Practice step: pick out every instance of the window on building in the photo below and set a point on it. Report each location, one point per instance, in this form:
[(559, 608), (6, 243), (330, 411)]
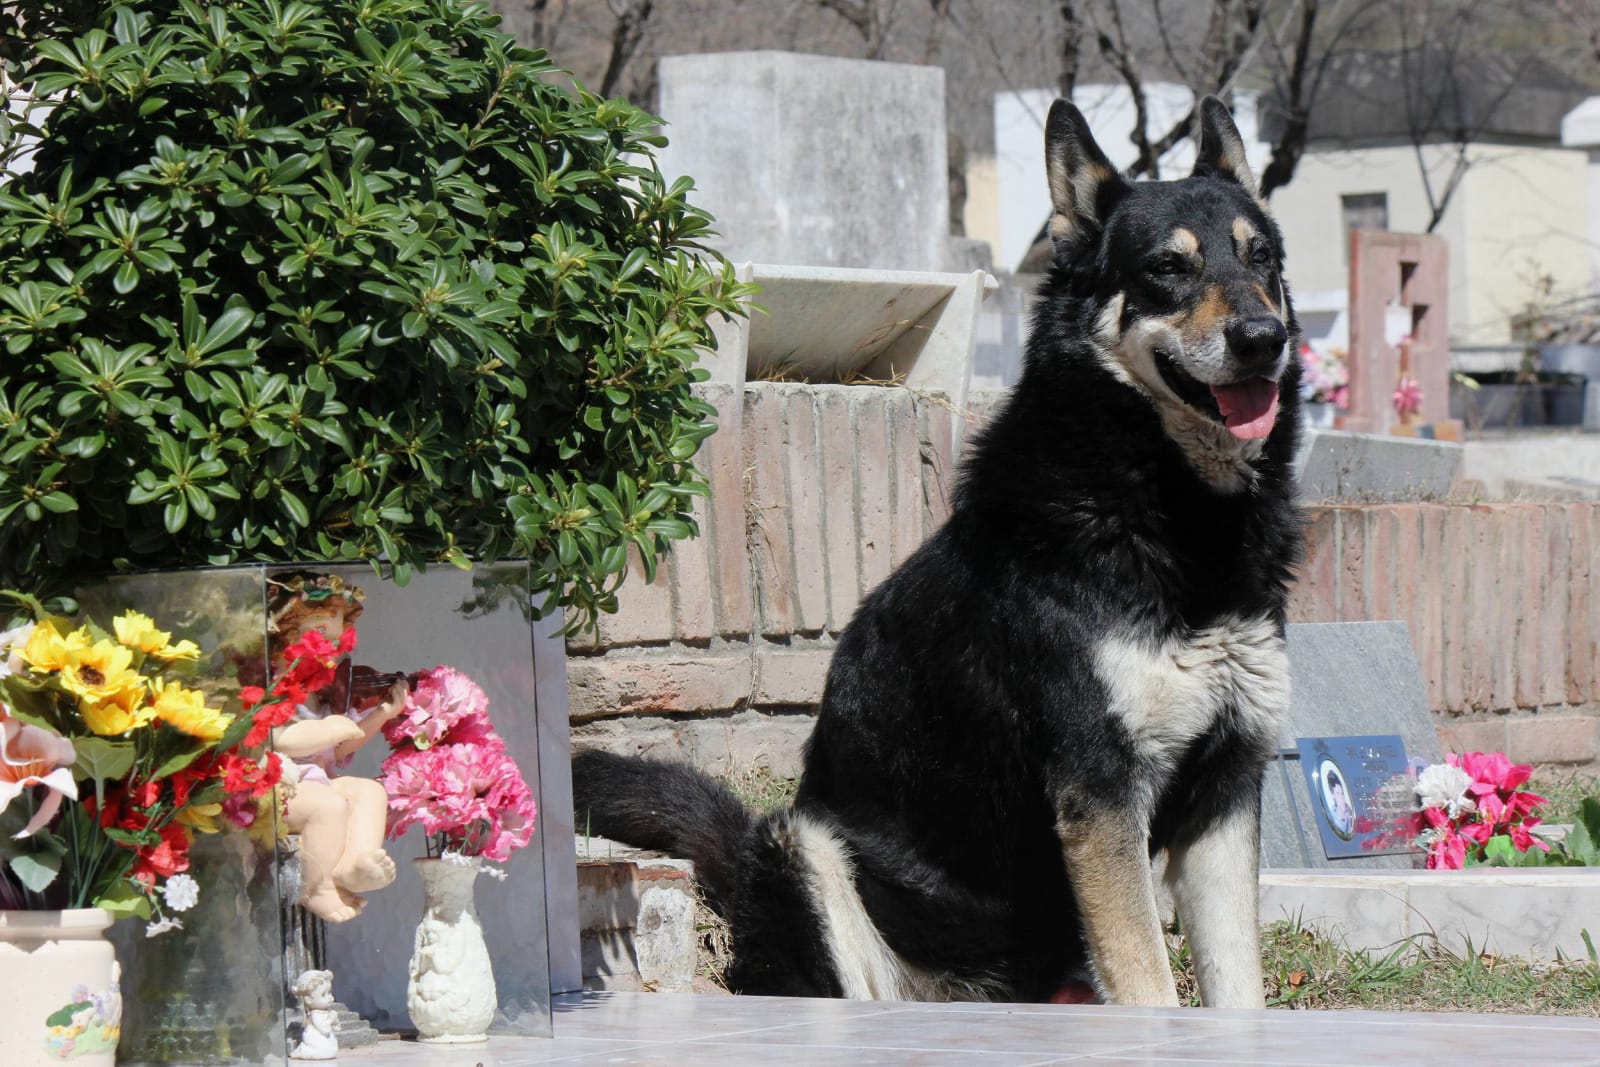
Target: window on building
[(1363, 211)]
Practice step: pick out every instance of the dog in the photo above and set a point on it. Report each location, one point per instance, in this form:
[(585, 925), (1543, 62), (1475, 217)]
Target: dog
[(1084, 667)]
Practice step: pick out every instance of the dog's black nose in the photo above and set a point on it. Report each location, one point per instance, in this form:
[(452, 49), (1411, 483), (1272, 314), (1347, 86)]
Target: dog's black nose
[(1257, 341)]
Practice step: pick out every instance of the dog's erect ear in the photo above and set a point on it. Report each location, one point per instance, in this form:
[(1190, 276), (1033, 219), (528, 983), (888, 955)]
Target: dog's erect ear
[(1080, 174), (1221, 153)]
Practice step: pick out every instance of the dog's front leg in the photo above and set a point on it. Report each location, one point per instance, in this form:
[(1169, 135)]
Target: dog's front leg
[(1215, 883), (1109, 866)]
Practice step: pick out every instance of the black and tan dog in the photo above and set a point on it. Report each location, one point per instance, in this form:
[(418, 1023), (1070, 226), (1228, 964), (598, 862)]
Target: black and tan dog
[(1084, 667)]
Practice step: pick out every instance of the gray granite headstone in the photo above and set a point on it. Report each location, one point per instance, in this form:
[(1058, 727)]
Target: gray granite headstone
[(1348, 678), (1338, 467), (812, 160)]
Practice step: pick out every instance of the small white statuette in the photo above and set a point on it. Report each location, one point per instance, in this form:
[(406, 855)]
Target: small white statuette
[(318, 1040)]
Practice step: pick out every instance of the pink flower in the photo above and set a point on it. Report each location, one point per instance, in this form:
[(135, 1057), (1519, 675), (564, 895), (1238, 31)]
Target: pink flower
[(473, 794), (1447, 850), (1407, 397), (444, 705), (32, 756)]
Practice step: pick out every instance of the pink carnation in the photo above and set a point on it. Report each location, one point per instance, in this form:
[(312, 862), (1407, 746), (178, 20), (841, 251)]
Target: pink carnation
[(450, 773), (444, 703)]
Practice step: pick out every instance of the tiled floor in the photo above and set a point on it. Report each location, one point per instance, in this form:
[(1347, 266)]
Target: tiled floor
[(715, 1031)]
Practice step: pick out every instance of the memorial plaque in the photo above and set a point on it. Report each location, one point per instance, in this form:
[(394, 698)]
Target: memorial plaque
[(1361, 793)]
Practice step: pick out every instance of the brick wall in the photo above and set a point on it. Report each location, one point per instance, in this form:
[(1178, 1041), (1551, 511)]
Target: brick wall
[(1501, 600), (817, 493)]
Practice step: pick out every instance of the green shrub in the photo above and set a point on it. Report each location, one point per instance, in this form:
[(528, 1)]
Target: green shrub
[(343, 280)]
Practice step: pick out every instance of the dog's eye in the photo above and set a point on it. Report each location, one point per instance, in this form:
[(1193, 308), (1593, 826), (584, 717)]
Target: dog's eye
[(1167, 266), (1260, 254)]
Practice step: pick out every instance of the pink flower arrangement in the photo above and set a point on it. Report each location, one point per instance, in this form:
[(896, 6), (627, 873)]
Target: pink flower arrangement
[(1471, 799), (449, 771), (1324, 377)]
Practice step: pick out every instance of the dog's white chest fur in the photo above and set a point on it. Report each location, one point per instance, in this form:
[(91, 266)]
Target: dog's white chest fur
[(1169, 693)]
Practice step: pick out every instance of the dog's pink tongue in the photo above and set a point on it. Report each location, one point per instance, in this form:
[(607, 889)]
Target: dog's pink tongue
[(1249, 408)]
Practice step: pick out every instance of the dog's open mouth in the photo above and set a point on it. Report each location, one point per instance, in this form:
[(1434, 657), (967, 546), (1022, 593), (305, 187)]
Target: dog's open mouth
[(1247, 408)]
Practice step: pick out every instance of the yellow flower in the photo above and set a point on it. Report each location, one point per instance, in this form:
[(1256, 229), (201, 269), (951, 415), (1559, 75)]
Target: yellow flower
[(139, 631), (48, 650), (101, 671), (120, 713), (202, 817), (185, 709)]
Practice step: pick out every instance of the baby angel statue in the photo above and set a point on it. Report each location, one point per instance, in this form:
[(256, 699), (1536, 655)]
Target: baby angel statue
[(340, 818)]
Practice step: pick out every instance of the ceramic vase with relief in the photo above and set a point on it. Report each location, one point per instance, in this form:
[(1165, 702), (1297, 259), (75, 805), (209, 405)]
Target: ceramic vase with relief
[(62, 1001), (451, 994)]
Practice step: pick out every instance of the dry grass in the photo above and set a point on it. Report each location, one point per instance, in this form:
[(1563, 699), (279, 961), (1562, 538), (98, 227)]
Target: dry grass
[(1309, 971), (1565, 790)]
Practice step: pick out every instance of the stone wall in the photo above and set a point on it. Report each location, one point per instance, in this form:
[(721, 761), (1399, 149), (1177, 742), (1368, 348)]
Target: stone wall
[(819, 494), (1501, 600)]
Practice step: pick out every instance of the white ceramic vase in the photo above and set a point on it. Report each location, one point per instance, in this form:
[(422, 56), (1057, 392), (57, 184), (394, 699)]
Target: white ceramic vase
[(62, 1001), (451, 995)]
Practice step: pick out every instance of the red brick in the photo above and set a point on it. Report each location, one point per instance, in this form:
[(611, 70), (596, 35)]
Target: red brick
[(791, 677), (1429, 582), (938, 463), (1593, 659), (1381, 531), (906, 464), (1556, 584), (1506, 601), (1353, 563), (1408, 574), (644, 610), (838, 505), (1553, 739), (1581, 603), (614, 685), (1453, 605), (803, 473), (1472, 735), (692, 588), (771, 552), (1313, 596), (1529, 563), (722, 458), (874, 519), (1483, 591)]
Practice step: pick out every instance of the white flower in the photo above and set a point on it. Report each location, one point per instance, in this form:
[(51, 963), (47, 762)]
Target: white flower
[(1444, 786), (11, 644), (157, 928), (181, 892)]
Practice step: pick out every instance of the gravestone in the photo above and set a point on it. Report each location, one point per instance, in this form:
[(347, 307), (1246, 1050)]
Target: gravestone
[(1347, 679), (812, 160)]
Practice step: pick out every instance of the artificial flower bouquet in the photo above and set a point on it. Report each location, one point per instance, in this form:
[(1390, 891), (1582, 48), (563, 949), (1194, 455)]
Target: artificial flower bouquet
[(1325, 378), (1477, 811), (449, 772), (111, 762)]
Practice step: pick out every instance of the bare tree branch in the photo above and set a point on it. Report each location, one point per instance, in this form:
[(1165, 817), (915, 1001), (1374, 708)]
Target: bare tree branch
[(633, 17), (869, 18), (1072, 33)]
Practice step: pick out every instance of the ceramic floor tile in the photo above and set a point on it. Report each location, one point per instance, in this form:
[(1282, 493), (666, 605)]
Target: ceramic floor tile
[(1315, 1039), (655, 1030), (994, 1031), (497, 1052)]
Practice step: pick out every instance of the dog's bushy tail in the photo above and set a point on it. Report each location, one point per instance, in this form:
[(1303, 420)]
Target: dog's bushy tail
[(670, 807)]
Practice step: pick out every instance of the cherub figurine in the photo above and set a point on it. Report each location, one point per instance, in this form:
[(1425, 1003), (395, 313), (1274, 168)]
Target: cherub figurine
[(340, 818), (319, 1037)]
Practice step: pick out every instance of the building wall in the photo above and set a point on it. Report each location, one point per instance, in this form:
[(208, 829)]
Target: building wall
[(1526, 216), (1520, 213)]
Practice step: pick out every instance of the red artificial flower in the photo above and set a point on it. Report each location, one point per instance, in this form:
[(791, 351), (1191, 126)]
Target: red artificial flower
[(251, 695), (163, 859)]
